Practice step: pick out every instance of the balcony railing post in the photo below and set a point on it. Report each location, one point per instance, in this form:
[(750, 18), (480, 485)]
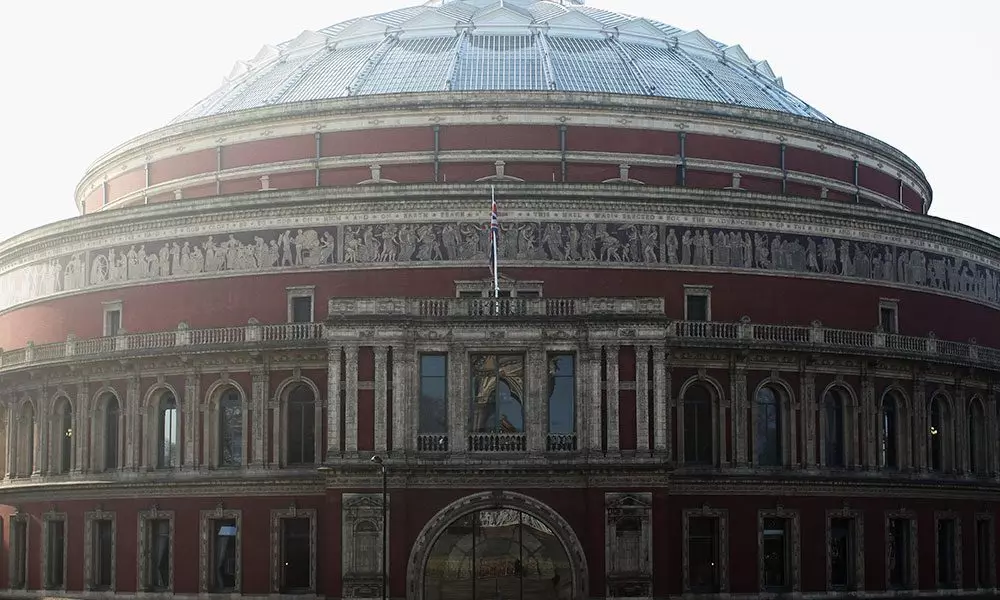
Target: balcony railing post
[(254, 332), (183, 335), (973, 349), (745, 329), (878, 340), (121, 341), (29, 351), (816, 335), (70, 344), (932, 343)]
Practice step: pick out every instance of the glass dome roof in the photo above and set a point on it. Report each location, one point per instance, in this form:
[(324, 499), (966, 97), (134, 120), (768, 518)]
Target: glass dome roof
[(501, 45)]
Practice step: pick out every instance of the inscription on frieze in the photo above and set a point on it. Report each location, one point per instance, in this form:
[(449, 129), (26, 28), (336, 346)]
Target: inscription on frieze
[(610, 243)]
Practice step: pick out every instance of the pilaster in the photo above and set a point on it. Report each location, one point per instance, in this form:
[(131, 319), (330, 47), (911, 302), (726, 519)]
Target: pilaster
[(42, 419), (457, 402), (402, 371), (381, 399), (81, 420), (808, 385), (919, 428), (961, 438), (351, 400), (10, 466), (133, 450), (594, 391), (869, 410), (738, 375), (662, 399), (611, 366), (192, 385), (258, 394), (333, 366), (642, 398), (537, 403)]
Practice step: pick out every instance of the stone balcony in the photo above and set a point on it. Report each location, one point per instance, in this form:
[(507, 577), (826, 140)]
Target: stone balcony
[(519, 312)]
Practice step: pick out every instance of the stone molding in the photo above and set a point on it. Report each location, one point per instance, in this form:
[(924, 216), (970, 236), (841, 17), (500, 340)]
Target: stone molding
[(89, 518), (721, 516), (277, 545), (792, 545), (361, 544), (47, 520), (857, 549), (17, 554), (991, 577), (142, 546), (206, 536), (634, 580), (957, 548), (489, 500), (539, 108)]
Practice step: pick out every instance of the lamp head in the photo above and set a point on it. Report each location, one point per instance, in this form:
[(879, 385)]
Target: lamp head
[(376, 459)]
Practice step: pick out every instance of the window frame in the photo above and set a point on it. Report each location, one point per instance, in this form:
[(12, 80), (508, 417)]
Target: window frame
[(956, 550), (703, 291), (780, 401), (856, 551), (145, 566), (720, 517), (557, 442), (58, 463), (162, 461), (976, 438), (436, 437), (99, 457), (47, 520), (278, 548), (108, 307), (221, 392), (207, 548), (890, 304), (315, 420), (711, 427), (792, 548), (522, 399), (912, 566), (18, 554), (300, 291), (991, 560), (945, 434), (90, 562)]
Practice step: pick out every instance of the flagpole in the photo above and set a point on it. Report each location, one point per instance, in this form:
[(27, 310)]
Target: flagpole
[(496, 274)]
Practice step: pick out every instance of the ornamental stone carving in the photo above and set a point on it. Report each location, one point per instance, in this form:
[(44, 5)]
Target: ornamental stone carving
[(628, 544), (362, 545)]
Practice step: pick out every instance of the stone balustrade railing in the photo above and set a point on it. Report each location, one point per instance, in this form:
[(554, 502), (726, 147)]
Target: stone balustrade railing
[(815, 337)]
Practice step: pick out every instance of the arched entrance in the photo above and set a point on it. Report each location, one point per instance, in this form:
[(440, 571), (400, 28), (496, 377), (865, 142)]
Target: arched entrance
[(497, 546)]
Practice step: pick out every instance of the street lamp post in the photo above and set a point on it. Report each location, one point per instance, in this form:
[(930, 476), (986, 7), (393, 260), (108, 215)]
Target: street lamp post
[(377, 460)]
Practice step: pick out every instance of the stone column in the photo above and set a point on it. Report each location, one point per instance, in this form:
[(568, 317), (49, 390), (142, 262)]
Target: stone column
[(81, 420), (192, 385), (333, 361), (960, 434), (869, 411), (738, 376), (381, 399), (42, 421), (595, 419), (258, 400), (351, 400), (133, 423), (993, 425), (10, 468), (457, 417), (402, 370), (611, 367), (642, 399), (537, 404), (662, 400), (918, 429), (808, 386)]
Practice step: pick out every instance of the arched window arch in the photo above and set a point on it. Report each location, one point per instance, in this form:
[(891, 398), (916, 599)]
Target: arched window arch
[(26, 458), (768, 428), (977, 438), (698, 429), (167, 436), (110, 428), (300, 426), (230, 428), (892, 433), (836, 425), (62, 436), (939, 434)]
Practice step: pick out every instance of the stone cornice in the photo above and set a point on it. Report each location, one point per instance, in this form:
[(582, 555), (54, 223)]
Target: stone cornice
[(554, 108)]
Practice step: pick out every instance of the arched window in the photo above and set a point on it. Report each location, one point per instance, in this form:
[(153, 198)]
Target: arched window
[(768, 428), (167, 450), (230, 428), (834, 430), (62, 437), (889, 422), (300, 426), (698, 425), (977, 438), (111, 420), (27, 461), (939, 435)]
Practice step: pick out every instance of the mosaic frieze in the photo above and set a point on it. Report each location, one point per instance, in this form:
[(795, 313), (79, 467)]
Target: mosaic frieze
[(609, 243)]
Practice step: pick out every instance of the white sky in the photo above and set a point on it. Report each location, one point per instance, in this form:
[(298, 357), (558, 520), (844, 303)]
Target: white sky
[(79, 78)]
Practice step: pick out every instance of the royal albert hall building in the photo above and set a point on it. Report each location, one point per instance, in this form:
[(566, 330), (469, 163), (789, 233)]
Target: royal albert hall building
[(732, 355)]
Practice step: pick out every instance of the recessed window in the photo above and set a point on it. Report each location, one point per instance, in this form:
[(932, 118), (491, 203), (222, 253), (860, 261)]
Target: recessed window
[(888, 315), (223, 555), (112, 318), (697, 303), (899, 532), (102, 544), (168, 448), (698, 429), (775, 552), (509, 288), (230, 428), (842, 553), (158, 555), (562, 403), (947, 555), (985, 563), (497, 402), (18, 552), (296, 564), (301, 304), (433, 406), (55, 552), (301, 426), (703, 554)]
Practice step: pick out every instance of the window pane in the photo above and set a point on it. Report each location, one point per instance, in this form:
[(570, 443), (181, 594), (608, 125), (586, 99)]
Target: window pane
[(296, 563), (301, 435), (946, 553), (497, 392), (302, 309), (57, 555), (697, 307), (112, 322), (834, 430), (697, 425), (841, 553), (562, 390), (702, 554), (775, 554), (223, 555), (66, 440), (158, 551), (889, 434), (984, 549), (168, 456), (111, 434), (768, 437), (433, 393), (230, 429), (899, 553), (103, 553)]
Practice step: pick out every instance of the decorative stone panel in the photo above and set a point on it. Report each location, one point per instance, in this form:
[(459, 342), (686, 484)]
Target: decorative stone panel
[(47, 520), (628, 552), (793, 548), (145, 517), (721, 516), (89, 518), (292, 512), (205, 546), (361, 545), (858, 548)]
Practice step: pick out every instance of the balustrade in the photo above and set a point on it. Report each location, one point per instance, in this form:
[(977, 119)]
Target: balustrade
[(561, 442), (498, 442), (432, 442)]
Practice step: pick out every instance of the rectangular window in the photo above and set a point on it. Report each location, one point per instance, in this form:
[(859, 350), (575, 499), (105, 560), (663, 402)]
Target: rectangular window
[(497, 403), (888, 316), (697, 303), (18, 552), (158, 555), (55, 553), (842, 553), (946, 559), (775, 554), (562, 402), (296, 565), (433, 394), (302, 309), (703, 555), (102, 554), (899, 532), (112, 321), (222, 555), (984, 553)]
